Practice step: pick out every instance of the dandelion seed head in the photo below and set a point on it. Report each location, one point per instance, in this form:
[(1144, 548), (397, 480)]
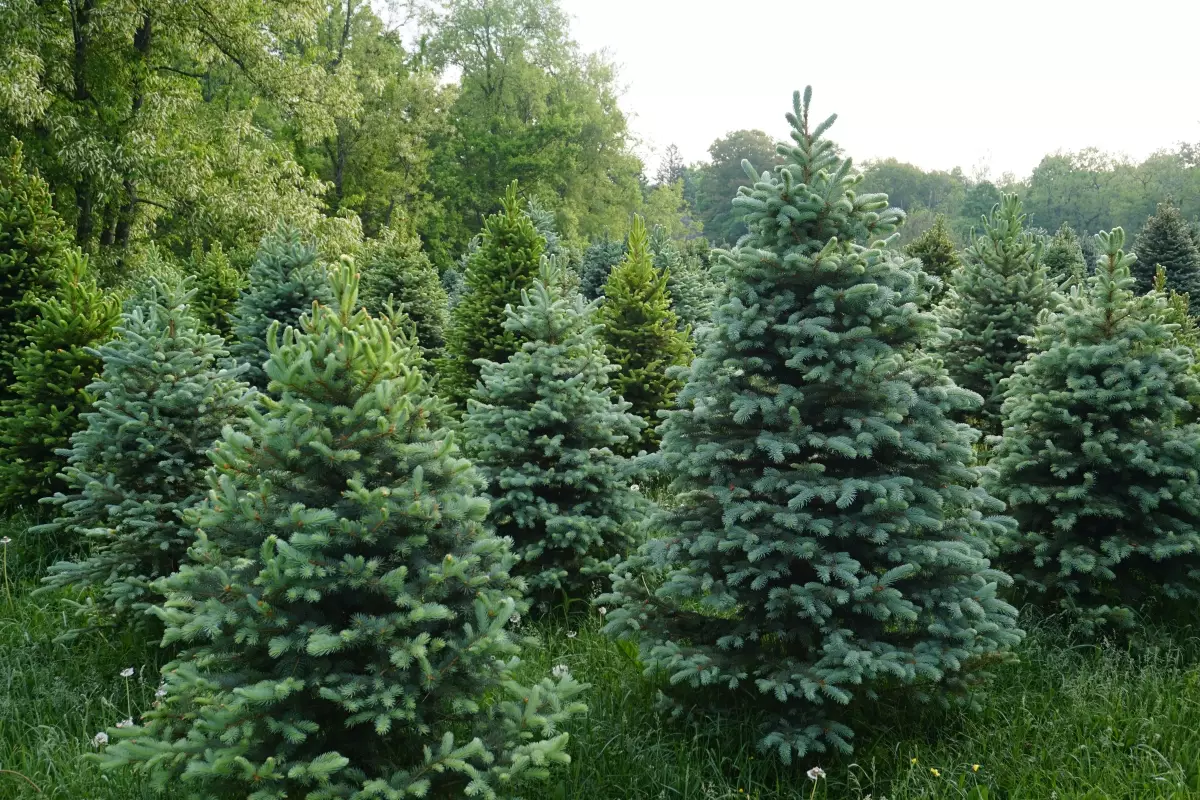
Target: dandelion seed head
[(125, 723), (100, 739), (127, 672), (560, 671), (815, 774)]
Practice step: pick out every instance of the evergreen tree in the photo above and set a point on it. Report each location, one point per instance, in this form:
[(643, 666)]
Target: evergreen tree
[(642, 337), (343, 613), (1095, 464), (51, 386), (164, 397), (598, 261), (1063, 257), (828, 541), (689, 285), (218, 286), (1166, 240), (939, 257), (285, 280), (33, 245), (394, 266), (1087, 245), (506, 262), (541, 429), (993, 303)]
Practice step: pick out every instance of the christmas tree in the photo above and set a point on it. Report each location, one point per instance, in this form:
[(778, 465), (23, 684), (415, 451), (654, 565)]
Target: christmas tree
[(1063, 257), (598, 261), (993, 303), (939, 257), (163, 398), (285, 280), (218, 286), (1166, 240), (542, 429), (641, 336), (51, 386), (343, 617), (33, 244), (1095, 464), (394, 267), (689, 285), (827, 547), (506, 262)]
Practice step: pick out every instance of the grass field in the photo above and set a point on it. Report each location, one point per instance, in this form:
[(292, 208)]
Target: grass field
[(1068, 721)]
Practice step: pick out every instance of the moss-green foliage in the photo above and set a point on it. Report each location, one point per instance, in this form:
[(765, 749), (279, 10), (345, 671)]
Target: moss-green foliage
[(828, 541), (52, 388), (33, 244), (1096, 465), (343, 621), (285, 280), (394, 266), (541, 429), (939, 257), (506, 262), (689, 284), (163, 398), (994, 301), (1063, 257), (218, 286), (641, 336), (1166, 240)]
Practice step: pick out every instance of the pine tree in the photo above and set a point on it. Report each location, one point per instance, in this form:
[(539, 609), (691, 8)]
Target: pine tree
[(598, 261), (1095, 464), (33, 245), (343, 614), (285, 280), (218, 287), (1063, 257), (542, 429), (828, 542), (690, 287), (1166, 240), (994, 302), (642, 337), (395, 267), (164, 396), (939, 257), (51, 386), (506, 262)]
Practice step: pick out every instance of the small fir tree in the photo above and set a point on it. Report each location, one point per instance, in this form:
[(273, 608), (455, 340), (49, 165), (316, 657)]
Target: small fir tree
[(218, 287), (165, 395), (50, 391), (938, 255), (1166, 240), (993, 304), (1095, 464), (689, 285), (33, 246), (394, 267), (828, 541), (344, 614), (1063, 257), (541, 428), (641, 336), (598, 261), (285, 280), (505, 263)]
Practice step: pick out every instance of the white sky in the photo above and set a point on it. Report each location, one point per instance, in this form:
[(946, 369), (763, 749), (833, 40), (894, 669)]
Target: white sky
[(938, 83)]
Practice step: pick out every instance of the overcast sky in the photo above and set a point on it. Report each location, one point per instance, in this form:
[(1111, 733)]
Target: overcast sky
[(939, 83)]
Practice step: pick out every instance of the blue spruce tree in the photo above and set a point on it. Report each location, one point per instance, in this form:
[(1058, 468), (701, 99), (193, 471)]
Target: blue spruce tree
[(829, 539)]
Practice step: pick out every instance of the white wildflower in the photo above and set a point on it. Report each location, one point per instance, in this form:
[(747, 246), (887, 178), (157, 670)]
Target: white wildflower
[(815, 774), (603, 610), (100, 739), (561, 671), (126, 723), (633, 487), (571, 634), (515, 619), (127, 672), (162, 691), (6, 541)]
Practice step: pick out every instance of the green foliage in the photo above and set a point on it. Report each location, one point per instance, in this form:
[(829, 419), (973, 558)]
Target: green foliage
[(505, 263), (1103, 478), (343, 616), (395, 267), (993, 303), (285, 280), (1166, 241), (33, 244), (642, 336), (828, 543), (542, 428), (691, 288), (218, 287), (598, 261), (1063, 257), (938, 255), (719, 180), (52, 381), (163, 398)]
